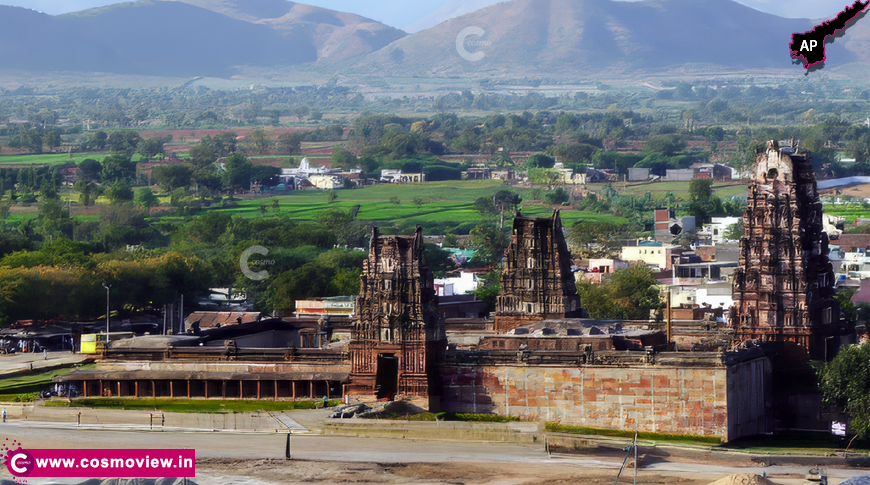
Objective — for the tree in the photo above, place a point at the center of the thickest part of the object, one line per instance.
(593, 239)
(86, 193)
(239, 171)
(120, 192)
(626, 294)
(485, 206)
(488, 289)
(734, 232)
(301, 111)
(117, 167)
(258, 141)
(700, 190)
(540, 160)
(439, 260)
(543, 176)
(51, 139)
(146, 198)
(290, 143)
(845, 382)
(557, 197)
(204, 154)
(505, 201)
(667, 145)
(575, 153)
(311, 280)
(171, 177)
(488, 242)
(151, 147)
(342, 158)
(89, 169)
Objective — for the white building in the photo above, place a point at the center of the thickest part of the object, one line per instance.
(397, 177)
(464, 284)
(718, 227)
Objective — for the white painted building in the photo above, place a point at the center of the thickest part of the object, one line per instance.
(464, 284)
(717, 228)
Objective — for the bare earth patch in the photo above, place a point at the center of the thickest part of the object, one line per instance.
(299, 472)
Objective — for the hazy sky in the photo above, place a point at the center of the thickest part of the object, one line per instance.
(400, 13)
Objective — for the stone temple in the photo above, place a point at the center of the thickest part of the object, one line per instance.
(397, 334)
(784, 286)
(536, 283)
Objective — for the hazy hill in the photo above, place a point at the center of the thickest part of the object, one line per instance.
(335, 35)
(174, 38)
(451, 9)
(583, 36)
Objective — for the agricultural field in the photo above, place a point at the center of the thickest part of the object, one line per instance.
(52, 158)
(723, 190)
(426, 204)
(450, 201)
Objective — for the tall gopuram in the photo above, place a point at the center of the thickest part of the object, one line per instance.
(784, 287)
(397, 334)
(537, 282)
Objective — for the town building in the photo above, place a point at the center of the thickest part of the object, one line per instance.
(651, 253)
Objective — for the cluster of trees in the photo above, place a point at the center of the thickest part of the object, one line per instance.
(629, 293)
(66, 279)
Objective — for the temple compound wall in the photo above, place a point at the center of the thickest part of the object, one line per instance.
(784, 286)
(397, 334)
(706, 394)
(536, 282)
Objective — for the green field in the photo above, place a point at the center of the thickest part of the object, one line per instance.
(450, 201)
(52, 158)
(723, 190)
(850, 212)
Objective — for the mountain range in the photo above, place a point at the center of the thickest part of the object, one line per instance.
(586, 36)
(517, 37)
(186, 37)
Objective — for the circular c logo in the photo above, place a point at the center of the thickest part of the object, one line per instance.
(20, 463)
(246, 270)
(460, 43)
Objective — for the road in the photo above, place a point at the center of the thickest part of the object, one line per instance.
(222, 453)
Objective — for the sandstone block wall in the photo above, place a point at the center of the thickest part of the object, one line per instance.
(673, 400)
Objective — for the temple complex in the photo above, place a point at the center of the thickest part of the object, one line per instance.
(784, 286)
(537, 282)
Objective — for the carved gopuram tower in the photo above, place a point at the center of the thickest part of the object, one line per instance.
(397, 333)
(784, 287)
(537, 283)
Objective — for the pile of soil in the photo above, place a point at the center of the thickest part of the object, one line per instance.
(743, 479)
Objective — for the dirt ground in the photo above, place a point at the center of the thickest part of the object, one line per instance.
(299, 472)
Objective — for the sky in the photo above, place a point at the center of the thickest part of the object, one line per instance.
(401, 13)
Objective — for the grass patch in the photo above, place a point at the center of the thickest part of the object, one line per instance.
(794, 442)
(562, 428)
(52, 158)
(190, 405)
(723, 190)
(23, 397)
(34, 382)
(477, 418)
